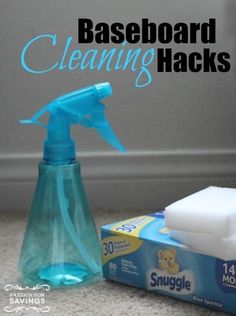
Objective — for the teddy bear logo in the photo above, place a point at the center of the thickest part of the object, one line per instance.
(167, 261)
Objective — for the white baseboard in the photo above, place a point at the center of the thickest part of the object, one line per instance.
(138, 179)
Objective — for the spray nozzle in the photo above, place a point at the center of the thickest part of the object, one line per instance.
(77, 107)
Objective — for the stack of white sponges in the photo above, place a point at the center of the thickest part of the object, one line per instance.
(206, 222)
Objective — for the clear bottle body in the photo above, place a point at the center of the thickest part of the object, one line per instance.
(60, 245)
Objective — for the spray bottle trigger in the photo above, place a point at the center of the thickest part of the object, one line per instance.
(31, 121)
(36, 116)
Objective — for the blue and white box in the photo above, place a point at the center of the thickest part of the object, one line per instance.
(139, 252)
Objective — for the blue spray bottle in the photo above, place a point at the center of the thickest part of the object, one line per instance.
(60, 245)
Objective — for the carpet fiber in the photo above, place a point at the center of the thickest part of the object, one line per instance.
(103, 298)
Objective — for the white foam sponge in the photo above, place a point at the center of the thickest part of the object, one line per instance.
(211, 211)
(224, 248)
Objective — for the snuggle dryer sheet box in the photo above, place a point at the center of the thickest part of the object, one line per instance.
(139, 252)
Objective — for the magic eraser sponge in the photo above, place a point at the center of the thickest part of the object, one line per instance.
(212, 211)
(223, 248)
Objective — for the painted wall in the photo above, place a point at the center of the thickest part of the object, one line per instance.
(179, 131)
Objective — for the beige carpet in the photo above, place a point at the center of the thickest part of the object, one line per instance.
(104, 298)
